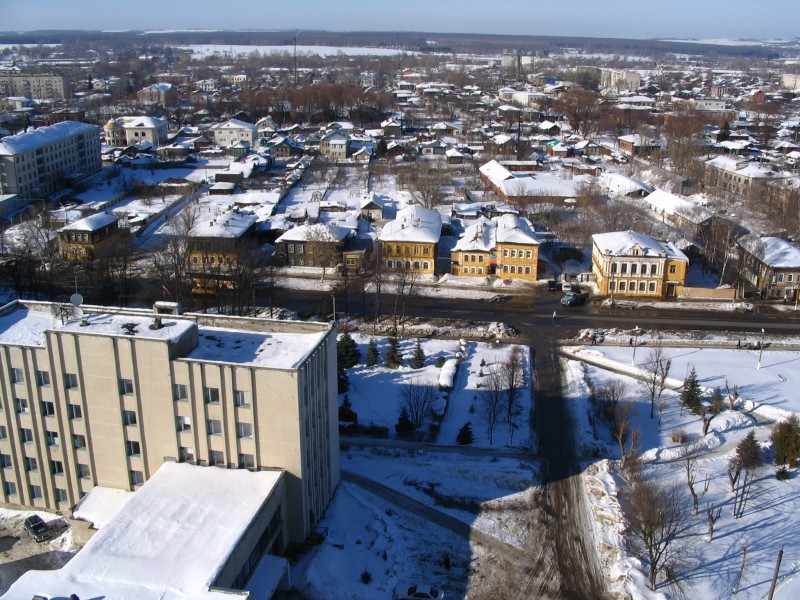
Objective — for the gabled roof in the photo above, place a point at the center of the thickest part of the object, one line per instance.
(316, 232)
(627, 243)
(91, 223)
(773, 252)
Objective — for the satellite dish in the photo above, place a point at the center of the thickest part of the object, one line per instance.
(76, 300)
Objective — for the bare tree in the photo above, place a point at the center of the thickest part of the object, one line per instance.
(513, 373)
(657, 516)
(418, 399)
(492, 401)
(656, 368)
(429, 183)
(171, 262)
(619, 415)
(713, 516)
(708, 412)
(689, 454)
(581, 108)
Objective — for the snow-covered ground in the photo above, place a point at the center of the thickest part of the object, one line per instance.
(712, 569)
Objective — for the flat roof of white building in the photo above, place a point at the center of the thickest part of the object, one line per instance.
(169, 542)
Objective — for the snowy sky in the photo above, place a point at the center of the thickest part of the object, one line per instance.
(607, 18)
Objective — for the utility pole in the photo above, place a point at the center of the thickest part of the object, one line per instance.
(295, 61)
(775, 574)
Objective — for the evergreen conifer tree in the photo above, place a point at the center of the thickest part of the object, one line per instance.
(464, 436)
(690, 395)
(393, 358)
(418, 360)
(347, 351)
(404, 427)
(372, 353)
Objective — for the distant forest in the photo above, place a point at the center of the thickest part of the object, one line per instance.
(412, 41)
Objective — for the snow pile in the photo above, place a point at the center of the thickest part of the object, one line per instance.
(448, 373)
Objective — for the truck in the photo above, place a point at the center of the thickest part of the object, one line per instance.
(575, 298)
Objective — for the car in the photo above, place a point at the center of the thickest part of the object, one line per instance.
(418, 592)
(36, 526)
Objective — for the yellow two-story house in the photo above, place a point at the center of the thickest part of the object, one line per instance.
(628, 263)
(409, 242)
(504, 246)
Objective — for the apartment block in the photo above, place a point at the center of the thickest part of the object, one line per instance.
(42, 161)
(35, 86)
(103, 397)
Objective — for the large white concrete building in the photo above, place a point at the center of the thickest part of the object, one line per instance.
(35, 86)
(105, 397)
(40, 162)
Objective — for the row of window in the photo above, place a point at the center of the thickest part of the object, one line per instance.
(635, 268)
(407, 250)
(52, 438)
(515, 269)
(398, 264)
(35, 491)
(180, 393)
(43, 378)
(32, 465)
(779, 278)
(513, 253)
(631, 286)
(214, 426)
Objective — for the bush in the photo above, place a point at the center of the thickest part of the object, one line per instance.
(374, 431)
(679, 436)
(786, 441)
(439, 362)
(483, 362)
(346, 412)
(366, 577)
(782, 474)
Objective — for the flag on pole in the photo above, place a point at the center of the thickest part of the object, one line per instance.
(165, 291)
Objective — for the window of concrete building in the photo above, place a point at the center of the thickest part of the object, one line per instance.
(244, 430)
(184, 423)
(30, 463)
(74, 411)
(133, 448)
(25, 435)
(56, 467)
(129, 417)
(186, 454)
(211, 395)
(624, 267)
(10, 488)
(83, 471)
(61, 495)
(42, 378)
(246, 461)
(136, 478)
(214, 427)
(216, 457)
(52, 438)
(641, 286)
(21, 405)
(36, 491)
(125, 387)
(78, 441)
(652, 286)
(17, 375)
(179, 392)
(5, 461)
(3, 432)
(70, 381)
(48, 409)
(621, 286)
(241, 398)
(634, 268)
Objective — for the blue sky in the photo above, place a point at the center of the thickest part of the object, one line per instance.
(594, 18)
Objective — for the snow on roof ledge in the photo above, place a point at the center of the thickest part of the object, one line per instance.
(157, 546)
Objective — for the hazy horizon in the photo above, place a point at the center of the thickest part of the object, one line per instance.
(643, 19)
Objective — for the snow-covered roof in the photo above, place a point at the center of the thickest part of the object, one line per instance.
(670, 204)
(773, 252)
(100, 505)
(91, 223)
(169, 542)
(30, 140)
(226, 225)
(235, 124)
(478, 237)
(485, 233)
(495, 172)
(317, 232)
(413, 224)
(133, 122)
(512, 229)
(633, 243)
(617, 183)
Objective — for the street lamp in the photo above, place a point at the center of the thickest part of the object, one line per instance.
(761, 348)
(636, 332)
(333, 295)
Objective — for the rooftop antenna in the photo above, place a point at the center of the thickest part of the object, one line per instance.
(76, 300)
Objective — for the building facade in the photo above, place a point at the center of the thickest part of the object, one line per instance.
(56, 87)
(92, 397)
(126, 131)
(771, 265)
(87, 238)
(410, 242)
(628, 263)
(40, 162)
(504, 246)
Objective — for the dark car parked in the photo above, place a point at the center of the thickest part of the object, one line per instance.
(39, 530)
